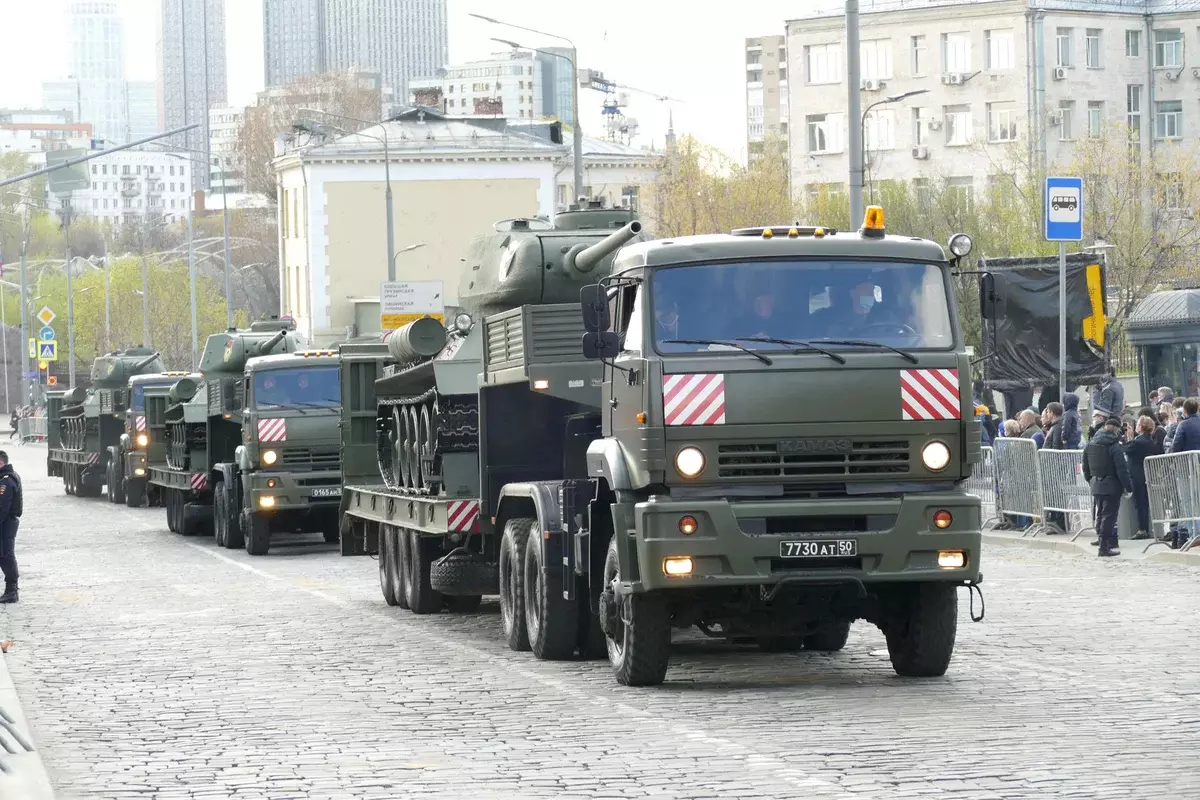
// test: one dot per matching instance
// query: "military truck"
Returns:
(128, 473)
(763, 434)
(90, 422)
(252, 445)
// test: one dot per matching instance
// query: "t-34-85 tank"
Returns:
(428, 396)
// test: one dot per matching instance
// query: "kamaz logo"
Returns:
(815, 446)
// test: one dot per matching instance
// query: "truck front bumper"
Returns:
(742, 543)
(271, 492)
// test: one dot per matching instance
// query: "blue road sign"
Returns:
(1064, 209)
(48, 351)
(46, 334)
(29, 376)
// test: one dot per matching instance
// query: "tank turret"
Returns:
(227, 353)
(114, 370)
(536, 262)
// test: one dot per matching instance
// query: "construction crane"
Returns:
(619, 128)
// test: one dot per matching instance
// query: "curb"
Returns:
(22, 773)
(1174, 557)
(1061, 545)
(1132, 550)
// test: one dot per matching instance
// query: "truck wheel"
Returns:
(512, 592)
(920, 631)
(829, 638)
(135, 494)
(780, 644)
(67, 487)
(551, 621)
(111, 483)
(463, 574)
(639, 640)
(387, 566)
(169, 503)
(422, 599)
(116, 486)
(399, 556)
(258, 535)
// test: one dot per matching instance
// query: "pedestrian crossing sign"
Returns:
(48, 351)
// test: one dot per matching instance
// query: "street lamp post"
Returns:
(577, 128)
(862, 127)
(854, 103)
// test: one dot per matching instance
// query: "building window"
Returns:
(94, 169)
(958, 125)
(876, 59)
(879, 132)
(95, 204)
(961, 192)
(919, 55)
(1095, 119)
(1002, 122)
(1001, 49)
(919, 122)
(823, 133)
(1168, 119)
(1168, 48)
(956, 52)
(1064, 46)
(93, 183)
(1133, 44)
(1066, 128)
(754, 55)
(1173, 192)
(824, 63)
(106, 204)
(104, 169)
(1133, 110)
(172, 170)
(1091, 47)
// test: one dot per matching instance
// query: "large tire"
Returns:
(235, 538)
(422, 599)
(920, 629)
(116, 489)
(463, 575)
(829, 638)
(258, 535)
(67, 486)
(110, 480)
(387, 565)
(220, 513)
(135, 494)
(169, 496)
(512, 578)
(551, 622)
(640, 650)
(399, 557)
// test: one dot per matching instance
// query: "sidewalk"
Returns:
(22, 774)
(1130, 550)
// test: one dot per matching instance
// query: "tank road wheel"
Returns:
(638, 630)
(400, 462)
(920, 629)
(551, 621)
(414, 449)
(512, 592)
(135, 494)
(387, 565)
(258, 535)
(422, 599)
(425, 454)
(829, 638)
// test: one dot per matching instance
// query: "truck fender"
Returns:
(242, 458)
(126, 443)
(529, 499)
(229, 474)
(606, 459)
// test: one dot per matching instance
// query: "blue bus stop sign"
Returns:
(1064, 209)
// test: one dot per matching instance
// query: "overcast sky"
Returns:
(668, 47)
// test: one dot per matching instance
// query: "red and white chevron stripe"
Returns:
(272, 430)
(95, 458)
(694, 399)
(462, 516)
(139, 424)
(199, 481)
(930, 394)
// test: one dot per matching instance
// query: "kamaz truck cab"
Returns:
(129, 459)
(785, 437)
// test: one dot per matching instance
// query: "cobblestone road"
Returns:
(154, 665)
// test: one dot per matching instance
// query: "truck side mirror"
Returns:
(601, 344)
(594, 302)
(987, 296)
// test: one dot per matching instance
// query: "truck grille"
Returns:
(313, 459)
(763, 460)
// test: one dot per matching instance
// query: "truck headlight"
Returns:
(689, 462)
(269, 457)
(935, 456)
(142, 440)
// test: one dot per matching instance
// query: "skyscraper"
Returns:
(293, 40)
(95, 87)
(141, 108)
(400, 39)
(181, 63)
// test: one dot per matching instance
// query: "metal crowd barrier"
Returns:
(982, 484)
(1173, 483)
(1018, 482)
(31, 429)
(1066, 495)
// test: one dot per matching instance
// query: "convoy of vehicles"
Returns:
(127, 475)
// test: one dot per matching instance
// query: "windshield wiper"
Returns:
(793, 343)
(866, 343)
(726, 342)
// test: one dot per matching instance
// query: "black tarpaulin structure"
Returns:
(1019, 306)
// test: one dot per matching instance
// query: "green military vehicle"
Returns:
(764, 434)
(127, 475)
(90, 422)
(252, 444)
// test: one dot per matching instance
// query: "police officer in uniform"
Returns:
(1105, 468)
(11, 506)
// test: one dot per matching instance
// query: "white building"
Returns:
(226, 166)
(133, 184)
(508, 85)
(992, 76)
(766, 91)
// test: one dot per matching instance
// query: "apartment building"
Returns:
(134, 184)
(507, 84)
(766, 91)
(955, 89)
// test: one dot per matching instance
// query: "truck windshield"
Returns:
(306, 387)
(844, 303)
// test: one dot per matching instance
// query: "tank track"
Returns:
(413, 433)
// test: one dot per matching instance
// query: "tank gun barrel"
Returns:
(266, 347)
(586, 259)
(141, 365)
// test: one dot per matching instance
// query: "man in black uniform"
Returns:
(1105, 468)
(11, 506)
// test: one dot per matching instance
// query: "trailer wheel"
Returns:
(169, 503)
(258, 535)
(638, 630)
(463, 574)
(399, 558)
(135, 494)
(552, 622)
(512, 593)
(387, 567)
(422, 599)
(66, 476)
(921, 629)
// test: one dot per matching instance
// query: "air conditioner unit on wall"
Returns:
(935, 124)
(1196, 72)
(920, 151)
(1060, 73)
(872, 85)
(1172, 75)
(952, 78)
(1054, 119)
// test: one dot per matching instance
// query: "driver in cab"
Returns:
(760, 314)
(855, 311)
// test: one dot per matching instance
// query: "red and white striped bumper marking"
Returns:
(694, 399)
(95, 459)
(272, 430)
(462, 516)
(199, 481)
(930, 394)
(139, 424)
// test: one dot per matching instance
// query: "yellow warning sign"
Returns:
(391, 322)
(43, 364)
